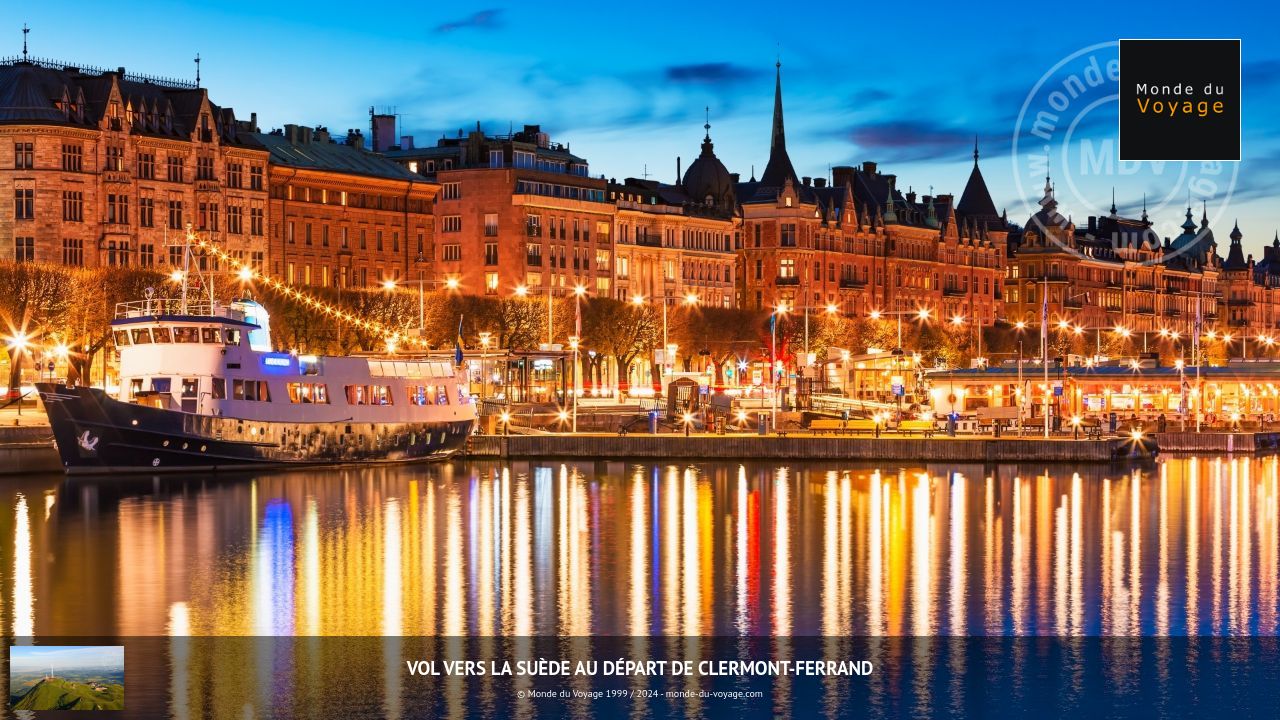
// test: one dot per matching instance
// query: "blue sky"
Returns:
(907, 86)
(29, 658)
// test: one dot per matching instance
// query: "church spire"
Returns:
(975, 201)
(1113, 201)
(779, 168)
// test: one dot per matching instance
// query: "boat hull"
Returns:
(97, 434)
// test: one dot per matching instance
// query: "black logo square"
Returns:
(1180, 100)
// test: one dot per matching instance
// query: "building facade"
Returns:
(342, 216)
(109, 168)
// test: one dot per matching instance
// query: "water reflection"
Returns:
(1187, 546)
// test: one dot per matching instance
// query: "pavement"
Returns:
(31, 414)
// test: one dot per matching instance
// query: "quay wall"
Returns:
(978, 450)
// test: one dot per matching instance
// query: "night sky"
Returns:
(626, 85)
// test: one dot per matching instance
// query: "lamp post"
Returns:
(578, 292)
(773, 360)
(574, 343)
(485, 337)
(921, 314)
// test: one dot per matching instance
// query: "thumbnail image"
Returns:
(66, 677)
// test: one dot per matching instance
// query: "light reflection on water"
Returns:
(1187, 546)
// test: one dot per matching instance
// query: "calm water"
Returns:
(1181, 547)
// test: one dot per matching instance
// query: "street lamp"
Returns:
(389, 284)
(573, 343)
(773, 360)
(245, 274)
(485, 337)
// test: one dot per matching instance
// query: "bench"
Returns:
(842, 426)
(924, 427)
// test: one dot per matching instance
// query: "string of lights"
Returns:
(247, 273)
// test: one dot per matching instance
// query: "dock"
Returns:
(1219, 442)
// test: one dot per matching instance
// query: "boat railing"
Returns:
(174, 306)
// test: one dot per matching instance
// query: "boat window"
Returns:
(210, 335)
(161, 384)
(418, 394)
(463, 398)
(186, 334)
(442, 395)
(190, 387)
(135, 387)
(253, 390)
(231, 336)
(219, 389)
(308, 365)
(308, 393)
(368, 395)
(162, 334)
(141, 336)
(122, 338)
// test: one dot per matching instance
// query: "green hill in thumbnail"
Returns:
(60, 694)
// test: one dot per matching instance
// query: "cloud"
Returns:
(906, 140)
(1260, 73)
(710, 73)
(869, 96)
(490, 19)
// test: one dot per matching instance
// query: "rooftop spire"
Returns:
(975, 151)
(1113, 201)
(25, 31)
(197, 69)
(1144, 207)
(707, 125)
(976, 200)
(779, 167)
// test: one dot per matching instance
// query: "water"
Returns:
(642, 560)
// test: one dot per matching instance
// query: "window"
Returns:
(491, 253)
(369, 395)
(24, 204)
(308, 393)
(115, 158)
(256, 221)
(204, 167)
(173, 168)
(24, 154)
(186, 334)
(147, 212)
(146, 255)
(234, 220)
(251, 390)
(219, 388)
(24, 249)
(759, 269)
(452, 253)
(72, 251)
(72, 206)
(534, 254)
(306, 233)
(147, 166)
(602, 260)
(787, 268)
(491, 225)
(491, 283)
(255, 177)
(118, 254)
(624, 267)
(495, 158)
(452, 223)
(175, 214)
(234, 175)
(118, 208)
(452, 191)
(72, 157)
(788, 234)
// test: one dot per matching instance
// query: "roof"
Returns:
(779, 168)
(313, 150)
(975, 201)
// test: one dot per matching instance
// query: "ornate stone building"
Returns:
(108, 168)
(862, 245)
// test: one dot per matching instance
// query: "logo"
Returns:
(1180, 100)
(87, 442)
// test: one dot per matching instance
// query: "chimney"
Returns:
(819, 182)
(321, 134)
(806, 180)
(355, 138)
(679, 176)
(868, 167)
(911, 196)
(291, 132)
(735, 177)
(1093, 225)
(406, 142)
(841, 175)
(120, 71)
(253, 121)
(384, 131)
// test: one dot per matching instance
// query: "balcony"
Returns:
(1172, 312)
(208, 186)
(533, 230)
(788, 280)
(1239, 302)
(1144, 311)
(649, 241)
(534, 261)
(116, 176)
(851, 283)
(953, 292)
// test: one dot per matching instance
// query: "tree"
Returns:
(623, 331)
(34, 298)
(95, 294)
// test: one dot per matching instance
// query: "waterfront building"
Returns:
(342, 216)
(107, 167)
(861, 244)
(517, 214)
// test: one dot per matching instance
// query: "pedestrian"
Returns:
(1161, 423)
